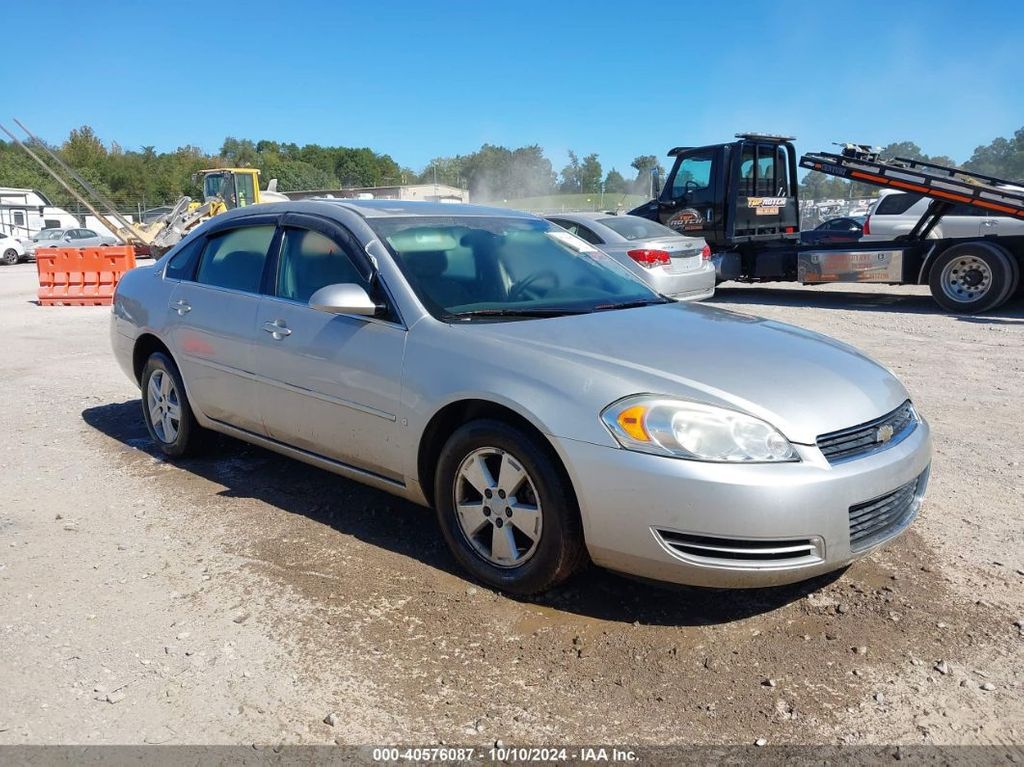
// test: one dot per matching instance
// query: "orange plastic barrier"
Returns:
(81, 276)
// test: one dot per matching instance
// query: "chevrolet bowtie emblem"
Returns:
(884, 433)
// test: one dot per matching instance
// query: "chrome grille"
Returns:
(869, 437)
(740, 550)
(873, 521)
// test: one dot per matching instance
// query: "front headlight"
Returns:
(697, 432)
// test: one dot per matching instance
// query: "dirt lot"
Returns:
(244, 597)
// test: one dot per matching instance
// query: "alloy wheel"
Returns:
(164, 406)
(498, 508)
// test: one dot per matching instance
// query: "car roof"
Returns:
(588, 215)
(366, 209)
(401, 208)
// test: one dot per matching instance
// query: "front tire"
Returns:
(166, 409)
(10, 257)
(972, 277)
(507, 510)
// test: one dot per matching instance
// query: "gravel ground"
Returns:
(244, 597)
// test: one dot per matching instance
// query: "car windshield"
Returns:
(466, 267)
(636, 228)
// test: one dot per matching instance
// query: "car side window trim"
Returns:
(216, 229)
(333, 231)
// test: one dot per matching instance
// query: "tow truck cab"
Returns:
(737, 196)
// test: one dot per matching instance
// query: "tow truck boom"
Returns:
(742, 197)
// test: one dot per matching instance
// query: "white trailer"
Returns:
(25, 212)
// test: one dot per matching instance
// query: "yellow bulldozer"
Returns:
(223, 189)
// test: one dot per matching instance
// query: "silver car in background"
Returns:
(549, 405)
(895, 214)
(68, 238)
(673, 264)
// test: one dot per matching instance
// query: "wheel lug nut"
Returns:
(488, 493)
(501, 493)
(487, 511)
(499, 522)
(508, 511)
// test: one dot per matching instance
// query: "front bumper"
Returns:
(633, 505)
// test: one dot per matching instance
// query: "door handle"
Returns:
(182, 307)
(278, 329)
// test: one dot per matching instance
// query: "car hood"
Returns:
(803, 383)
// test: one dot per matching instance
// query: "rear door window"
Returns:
(182, 265)
(636, 228)
(235, 259)
(896, 204)
(588, 234)
(962, 209)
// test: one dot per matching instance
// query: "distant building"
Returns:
(426, 192)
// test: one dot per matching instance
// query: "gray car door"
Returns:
(213, 324)
(329, 384)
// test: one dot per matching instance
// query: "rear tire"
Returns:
(519, 532)
(166, 409)
(1016, 287)
(10, 257)
(972, 277)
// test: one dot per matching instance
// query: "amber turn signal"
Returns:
(631, 421)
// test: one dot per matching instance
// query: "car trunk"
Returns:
(685, 254)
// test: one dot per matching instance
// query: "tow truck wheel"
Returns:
(1016, 287)
(972, 277)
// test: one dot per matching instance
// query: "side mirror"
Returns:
(67, 238)
(344, 298)
(655, 183)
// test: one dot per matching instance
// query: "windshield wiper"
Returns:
(631, 304)
(524, 312)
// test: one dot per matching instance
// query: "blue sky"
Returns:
(424, 79)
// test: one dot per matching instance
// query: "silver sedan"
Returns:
(550, 406)
(673, 264)
(68, 238)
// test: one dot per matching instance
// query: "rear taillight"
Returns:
(650, 258)
(867, 225)
(706, 253)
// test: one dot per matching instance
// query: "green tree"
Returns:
(590, 174)
(906, 149)
(239, 153)
(644, 165)
(572, 175)
(294, 175)
(1003, 158)
(83, 149)
(615, 183)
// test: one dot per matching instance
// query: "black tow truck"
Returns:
(742, 197)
